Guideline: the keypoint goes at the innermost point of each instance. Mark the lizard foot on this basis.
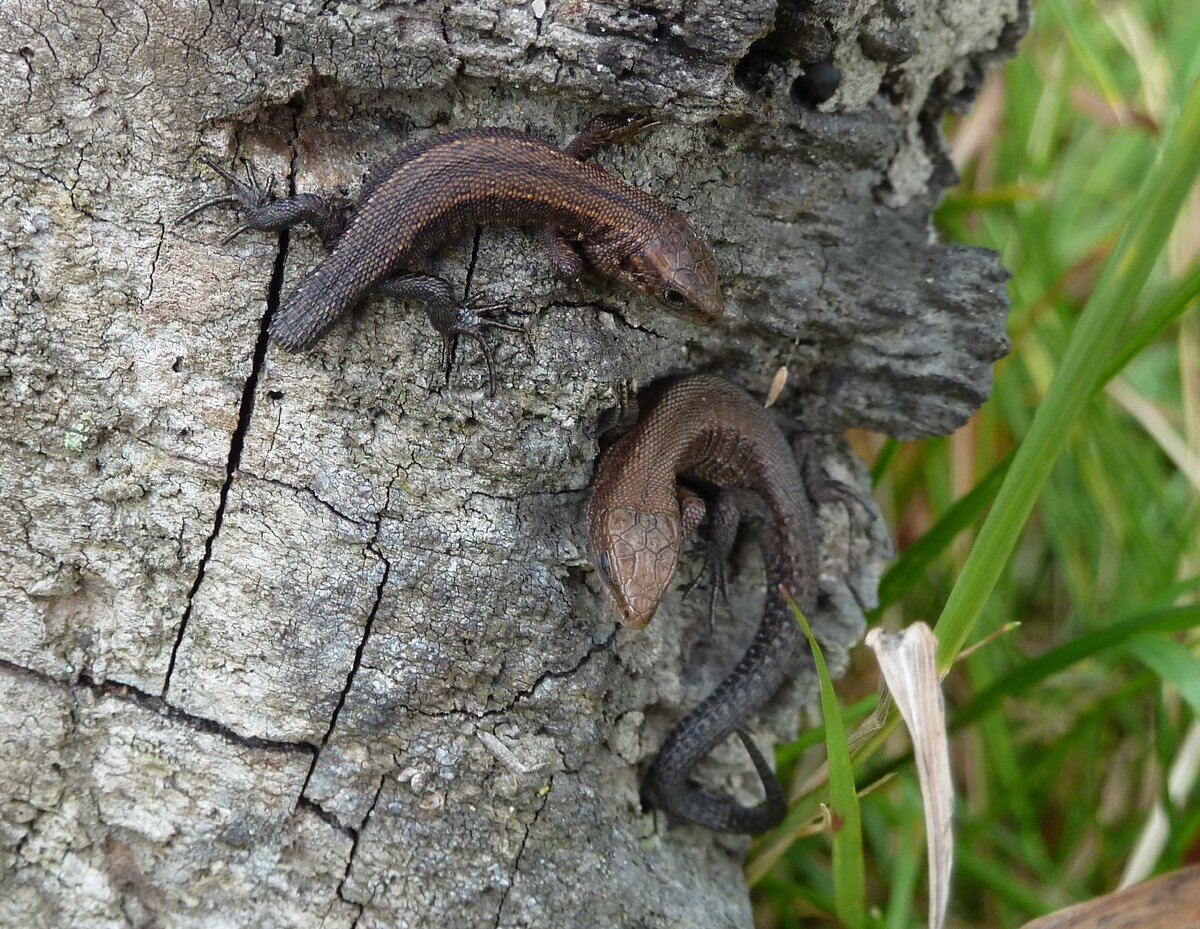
(712, 569)
(250, 194)
(607, 129)
(724, 517)
(473, 319)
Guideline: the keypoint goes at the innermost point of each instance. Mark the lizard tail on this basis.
(685, 802)
(316, 303)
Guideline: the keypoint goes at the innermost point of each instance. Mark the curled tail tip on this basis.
(771, 813)
(682, 802)
(719, 814)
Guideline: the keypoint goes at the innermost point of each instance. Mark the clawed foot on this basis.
(473, 319)
(618, 420)
(638, 124)
(612, 127)
(713, 568)
(606, 129)
(450, 317)
(249, 194)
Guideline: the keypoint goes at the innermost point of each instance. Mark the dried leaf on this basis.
(1167, 902)
(909, 665)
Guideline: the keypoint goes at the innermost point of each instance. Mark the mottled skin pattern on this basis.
(705, 429)
(417, 200)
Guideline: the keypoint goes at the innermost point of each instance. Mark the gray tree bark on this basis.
(312, 641)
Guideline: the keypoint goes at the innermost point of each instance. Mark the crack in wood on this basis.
(357, 663)
(245, 411)
(159, 705)
(516, 868)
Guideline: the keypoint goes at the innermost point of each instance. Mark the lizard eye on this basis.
(602, 564)
(673, 298)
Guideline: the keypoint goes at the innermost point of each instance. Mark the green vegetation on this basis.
(1070, 504)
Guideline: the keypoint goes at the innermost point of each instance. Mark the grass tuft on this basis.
(1070, 502)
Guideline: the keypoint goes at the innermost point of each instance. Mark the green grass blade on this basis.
(883, 459)
(1184, 832)
(849, 874)
(915, 560)
(798, 892)
(1023, 678)
(1106, 313)
(905, 876)
(1084, 50)
(1003, 882)
(851, 716)
(1173, 663)
(1181, 297)
(1169, 595)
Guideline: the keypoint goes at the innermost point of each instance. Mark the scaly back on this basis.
(435, 191)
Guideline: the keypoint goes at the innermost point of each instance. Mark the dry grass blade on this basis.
(1180, 781)
(777, 383)
(1156, 424)
(909, 665)
(976, 134)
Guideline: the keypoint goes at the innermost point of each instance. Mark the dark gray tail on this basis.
(684, 802)
(310, 309)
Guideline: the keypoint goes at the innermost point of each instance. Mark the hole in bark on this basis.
(754, 72)
(892, 87)
(817, 84)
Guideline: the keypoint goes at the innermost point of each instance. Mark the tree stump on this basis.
(295, 641)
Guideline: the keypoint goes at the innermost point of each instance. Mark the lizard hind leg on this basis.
(604, 130)
(261, 211)
(450, 317)
(250, 194)
(561, 249)
(564, 257)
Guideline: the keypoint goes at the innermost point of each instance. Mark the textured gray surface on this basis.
(291, 641)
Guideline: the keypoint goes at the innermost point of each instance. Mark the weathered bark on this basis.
(299, 641)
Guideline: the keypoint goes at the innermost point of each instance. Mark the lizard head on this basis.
(635, 554)
(678, 269)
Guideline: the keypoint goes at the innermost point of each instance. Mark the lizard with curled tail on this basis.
(704, 429)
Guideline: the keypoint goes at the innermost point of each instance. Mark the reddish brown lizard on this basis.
(702, 428)
(417, 200)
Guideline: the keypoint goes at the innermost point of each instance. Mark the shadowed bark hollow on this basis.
(311, 640)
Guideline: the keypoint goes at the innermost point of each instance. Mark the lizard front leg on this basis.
(601, 131)
(724, 517)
